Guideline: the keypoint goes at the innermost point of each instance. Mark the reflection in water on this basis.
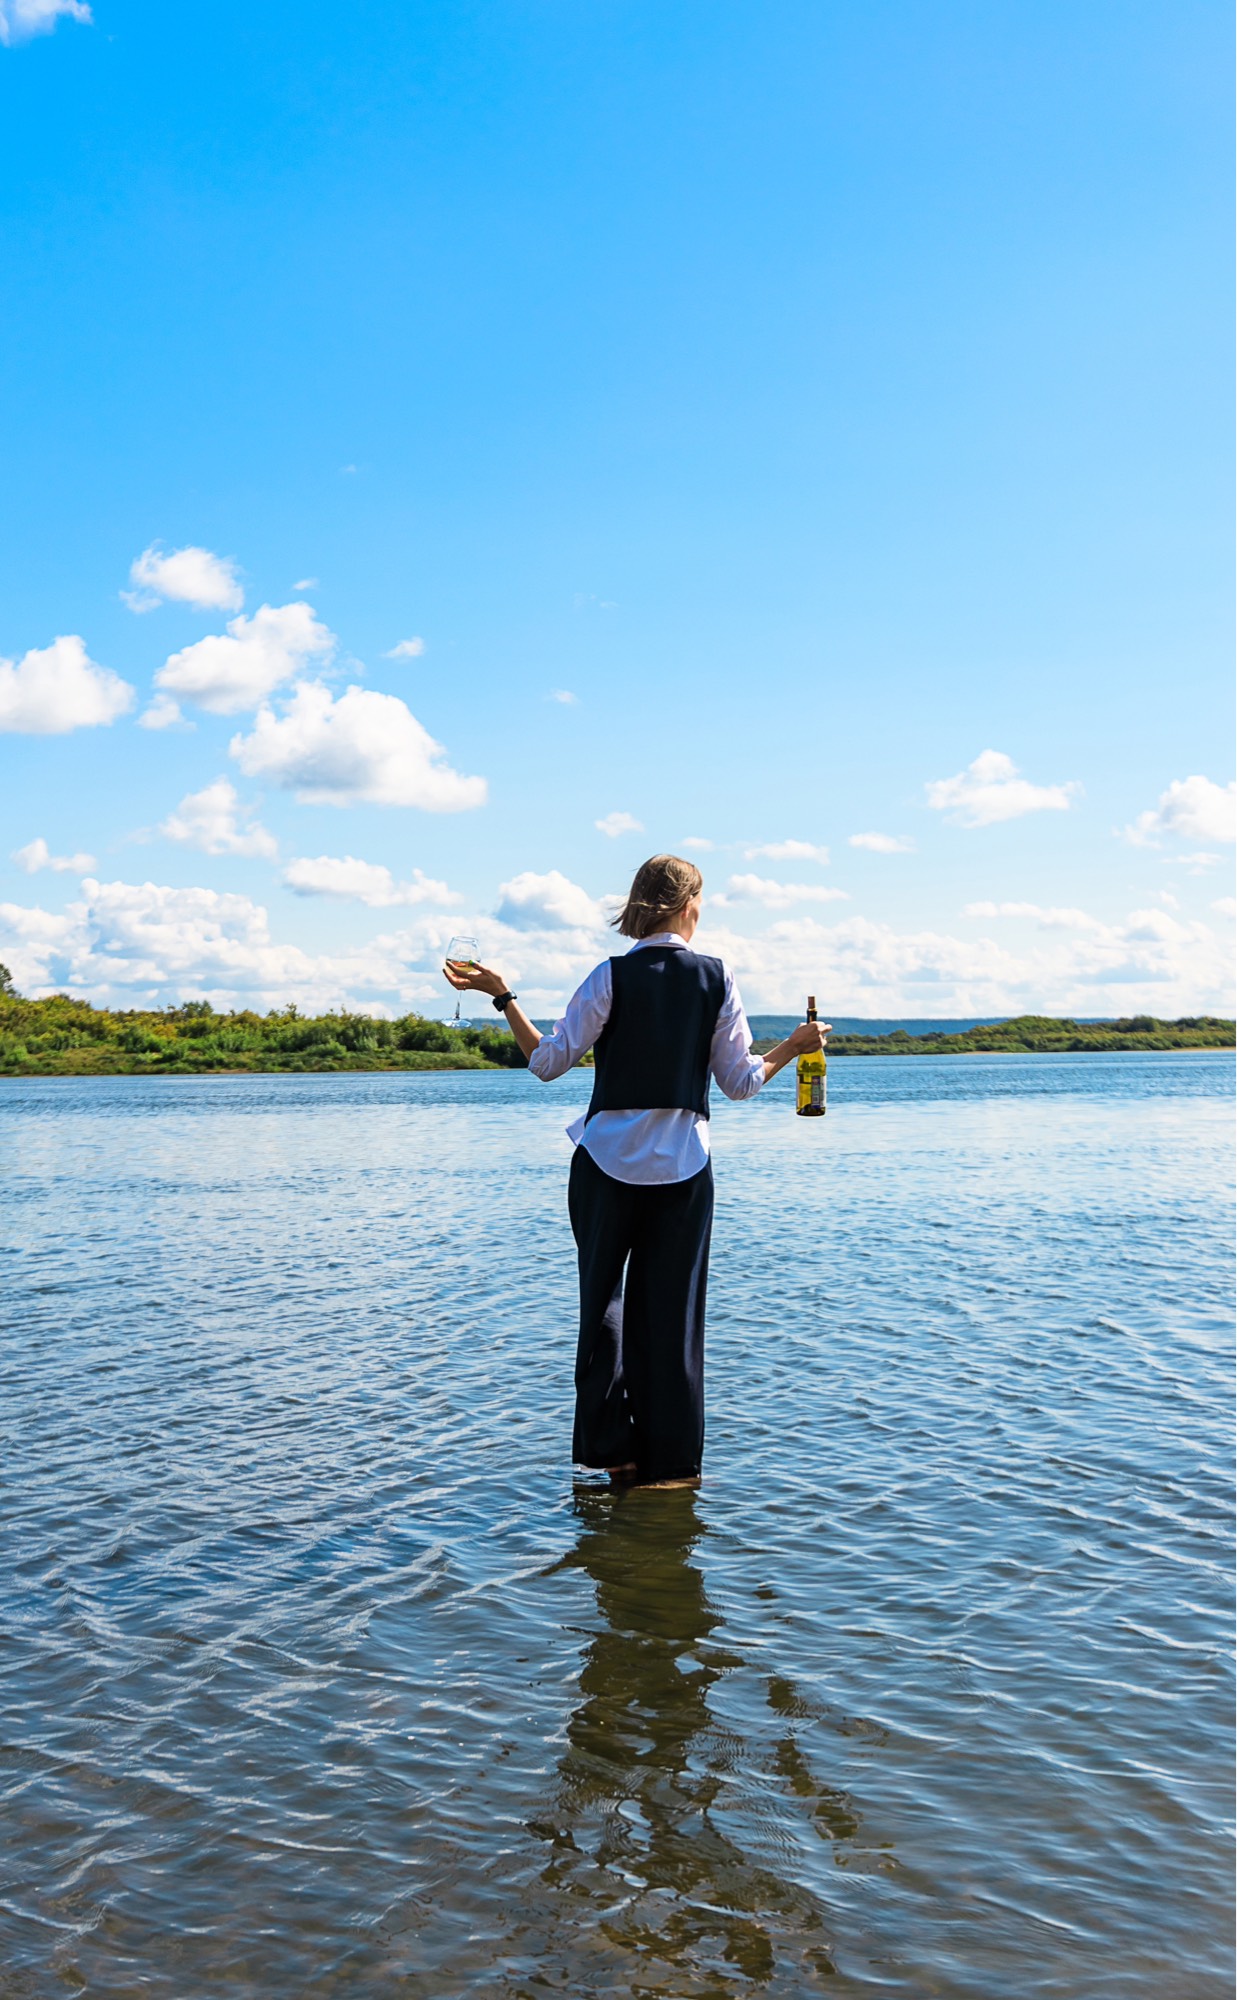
(650, 1776)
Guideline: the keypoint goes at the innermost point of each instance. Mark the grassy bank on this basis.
(65, 1037)
(61, 1036)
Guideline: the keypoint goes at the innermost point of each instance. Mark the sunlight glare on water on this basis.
(321, 1676)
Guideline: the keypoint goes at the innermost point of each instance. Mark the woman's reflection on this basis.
(649, 1771)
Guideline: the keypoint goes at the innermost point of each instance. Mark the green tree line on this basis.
(61, 1036)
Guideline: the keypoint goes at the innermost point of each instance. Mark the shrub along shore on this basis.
(61, 1036)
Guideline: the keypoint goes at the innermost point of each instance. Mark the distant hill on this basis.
(1037, 1034)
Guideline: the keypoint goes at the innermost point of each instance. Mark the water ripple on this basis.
(321, 1677)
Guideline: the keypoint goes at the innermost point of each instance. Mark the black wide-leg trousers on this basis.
(640, 1360)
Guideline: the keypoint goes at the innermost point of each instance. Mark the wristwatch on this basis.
(503, 1000)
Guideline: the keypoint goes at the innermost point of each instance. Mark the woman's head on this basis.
(661, 889)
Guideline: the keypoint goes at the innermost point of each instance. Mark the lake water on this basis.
(322, 1677)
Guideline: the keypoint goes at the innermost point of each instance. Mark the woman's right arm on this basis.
(551, 1055)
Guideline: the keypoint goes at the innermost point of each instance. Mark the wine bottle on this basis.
(811, 1079)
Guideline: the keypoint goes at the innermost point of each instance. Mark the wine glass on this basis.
(462, 954)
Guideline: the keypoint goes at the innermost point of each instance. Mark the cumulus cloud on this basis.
(22, 19)
(1049, 919)
(618, 822)
(1150, 963)
(188, 576)
(696, 844)
(148, 941)
(990, 790)
(215, 820)
(364, 748)
(306, 583)
(36, 854)
(788, 850)
(53, 689)
(776, 895)
(231, 671)
(1226, 906)
(881, 843)
(130, 944)
(547, 902)
(163, 713)
(1191, 809)
(363, 882)
(407, 649)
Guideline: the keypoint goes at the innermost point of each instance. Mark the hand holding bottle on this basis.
(811, 1087)
(809, 1038)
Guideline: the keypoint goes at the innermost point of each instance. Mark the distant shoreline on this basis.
(62, 1036)
(345, 1068)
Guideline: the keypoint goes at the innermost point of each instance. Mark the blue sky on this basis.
(831, 400)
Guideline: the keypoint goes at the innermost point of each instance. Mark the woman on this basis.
(661, 1021)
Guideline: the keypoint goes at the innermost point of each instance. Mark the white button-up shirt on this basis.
(647, 1148)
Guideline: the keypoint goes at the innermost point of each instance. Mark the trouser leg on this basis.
(602, 1218)
(663, 1325)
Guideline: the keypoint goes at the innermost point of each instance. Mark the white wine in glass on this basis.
(462, 955)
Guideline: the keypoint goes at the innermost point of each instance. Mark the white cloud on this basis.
(227, 673)
(363, 882)
(696, 844)
(563, 696)
(127, 944)
(788, 850)
(990, 790)
(881, 843)
(407, 649)
(536, 902)
(1191, 808)
(1150, 963)
(189, 576)
(1048, 919)
(618, 822)
(1198, 864)
(36, 855)
(215, 820)
(21, 19)
(365, 748)
(55, 688)
(163, 713)
(306, 583)
(147, 941)
(1226, 905)
(776, 895)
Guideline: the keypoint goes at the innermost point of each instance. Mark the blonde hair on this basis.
(658, 892)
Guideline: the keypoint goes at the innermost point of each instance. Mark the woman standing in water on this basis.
(661, 1021)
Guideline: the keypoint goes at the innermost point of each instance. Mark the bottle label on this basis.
(812, 1093)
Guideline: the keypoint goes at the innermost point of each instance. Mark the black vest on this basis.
(653, 1053)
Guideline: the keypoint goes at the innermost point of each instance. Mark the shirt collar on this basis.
(661, 937)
